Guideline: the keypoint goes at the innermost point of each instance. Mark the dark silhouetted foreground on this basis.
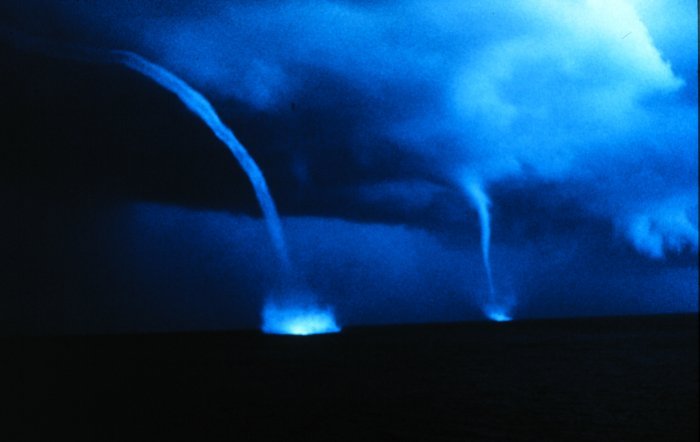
(633, 378)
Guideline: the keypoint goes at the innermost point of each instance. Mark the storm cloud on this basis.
(564, 112)
(576, 93)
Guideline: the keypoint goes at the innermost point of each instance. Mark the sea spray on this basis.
(296, 313)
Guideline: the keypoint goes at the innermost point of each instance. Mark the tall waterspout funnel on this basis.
(495, 309)
(285, 314)
(482, 203)
(201, 107)
(282, 313)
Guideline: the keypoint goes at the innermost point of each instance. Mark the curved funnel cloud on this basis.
(289, 317)
(493, 309)
(204, 110)
(194, 101)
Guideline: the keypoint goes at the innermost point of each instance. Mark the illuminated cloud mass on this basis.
(573, 92)
(577, 119)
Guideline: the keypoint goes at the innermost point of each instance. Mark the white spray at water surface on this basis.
(294, 315)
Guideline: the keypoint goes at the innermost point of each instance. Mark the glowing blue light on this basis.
(497, 313)
(298, 320)
(201, 107)
(499, 317)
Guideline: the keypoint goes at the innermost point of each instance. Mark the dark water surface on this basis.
(631, 378)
